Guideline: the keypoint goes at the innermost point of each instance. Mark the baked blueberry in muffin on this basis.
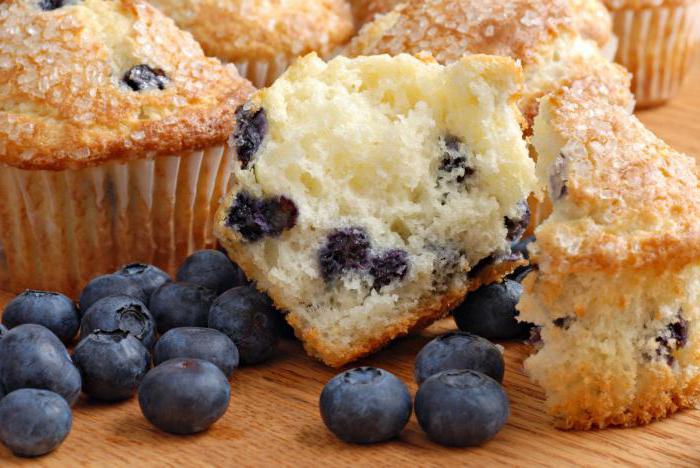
(616, 290)
(378, 183)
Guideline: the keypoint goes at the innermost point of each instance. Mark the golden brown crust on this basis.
(364, 11)
(247, 29)
(592, 20)
(635, 201)
(63, 104)
(513, 28)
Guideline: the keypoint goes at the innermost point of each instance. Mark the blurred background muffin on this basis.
(113, 140)
(262, 37)
(658, 43)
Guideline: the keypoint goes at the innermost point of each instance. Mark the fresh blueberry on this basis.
(249, 318)
(143, 77)
(184, 396)
(148, 277)
(517, 226)
(255, 218)
(459, 350)
(52, 310)
(251, 127)
(198, 343)
(211, 269)
(388, 267)
(32, 357)
(365, 405)
(461, 408)
(109, 285)
(34, 422)
(3, 330)
(346, 249)
(176, 305)
(120, 313)
(112, 364)
(490, 311)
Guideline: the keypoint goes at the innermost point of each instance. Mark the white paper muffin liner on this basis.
(263, 73)
(59, 229)
(658, 45)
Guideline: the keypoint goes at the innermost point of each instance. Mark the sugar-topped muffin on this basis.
(554, 40)
(371, 194)
(263, 37)
(616, 291)
(113, 140)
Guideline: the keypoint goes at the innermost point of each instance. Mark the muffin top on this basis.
(366, 10)
(623, 198)
(236, 30)
(513, 28)
(85, 82)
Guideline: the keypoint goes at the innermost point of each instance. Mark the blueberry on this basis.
(176, 305)
(211, 269)
(365, 405)
(148, 277)
(255, 218)
(454, 161)
(48, 5)
(143, 77)
(109, 285)
(490, 311)
(517, 226)
(461, 408)
(112, 364)
(251, 127)
(184, 396)
(52, 310)
(521, 246)
(388, 267)
(459, 350)
(346, 249)
(120, 313)
(249, 318)
(32, 357)
(34, 422)
(3, 330)
(198, 343)
(675, 336)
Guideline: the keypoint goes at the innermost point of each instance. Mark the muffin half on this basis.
(263, 37)
(371, 194)
(113, 140)
(554, 40)
(616, 291)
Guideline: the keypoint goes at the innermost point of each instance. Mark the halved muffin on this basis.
(371, 194)
(113, 140)
(616, 291)
(554, 40)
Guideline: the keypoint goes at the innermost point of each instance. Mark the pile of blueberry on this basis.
(194, 330)
(460, 400)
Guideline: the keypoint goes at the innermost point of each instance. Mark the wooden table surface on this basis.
(274, 420)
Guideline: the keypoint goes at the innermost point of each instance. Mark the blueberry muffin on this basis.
(659, 42)
(554, 40)
(263, 37)
(371, 194)
(113, 140)
(616, 291)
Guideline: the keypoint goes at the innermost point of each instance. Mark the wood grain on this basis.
(273, 418)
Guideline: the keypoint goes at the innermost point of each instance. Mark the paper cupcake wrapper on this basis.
(59, 229)
(658, 46)
(263, 73)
